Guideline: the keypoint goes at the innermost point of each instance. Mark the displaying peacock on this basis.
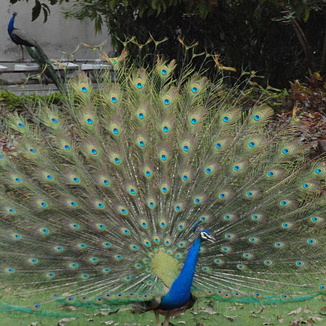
(155, 190)
(21, 38)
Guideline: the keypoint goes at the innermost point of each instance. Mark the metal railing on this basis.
(30, 81)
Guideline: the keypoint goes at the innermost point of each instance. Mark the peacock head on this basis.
(14, 13)
(206, 235)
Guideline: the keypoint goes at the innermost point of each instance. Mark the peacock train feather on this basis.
(155, 192)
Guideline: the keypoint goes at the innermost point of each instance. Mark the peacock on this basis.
(22, 38)
(151, 189)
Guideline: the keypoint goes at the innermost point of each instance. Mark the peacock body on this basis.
(18, 36)
(111, 198)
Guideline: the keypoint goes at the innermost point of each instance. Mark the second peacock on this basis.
(155, 191)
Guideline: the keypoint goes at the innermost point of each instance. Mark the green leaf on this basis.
(306, 14)
(98, 23)
(46, 11)
(36, 10)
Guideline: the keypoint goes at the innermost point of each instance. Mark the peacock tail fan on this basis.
(100, 196)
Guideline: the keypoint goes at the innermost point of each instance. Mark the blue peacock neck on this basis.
(11, 24)
(179, 293)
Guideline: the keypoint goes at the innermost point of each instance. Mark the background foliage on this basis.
(282, 40)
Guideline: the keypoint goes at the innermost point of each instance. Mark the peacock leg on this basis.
(22, 49)
(157, 317)
(166, 319)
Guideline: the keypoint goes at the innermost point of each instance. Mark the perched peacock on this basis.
(155, 190)
(21, 38)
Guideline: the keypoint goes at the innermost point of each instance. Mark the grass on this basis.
(204, 313)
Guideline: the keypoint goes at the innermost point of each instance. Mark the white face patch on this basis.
(204, 235)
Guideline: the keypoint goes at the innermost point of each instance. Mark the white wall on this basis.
(56, 35)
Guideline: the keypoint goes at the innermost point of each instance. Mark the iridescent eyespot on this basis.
(151, 204)
(164, 189)
(33, 260)
(257, 117)
(126, 231)
(148, 173)
(186, 148)
(316, 219)
(311, 241)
